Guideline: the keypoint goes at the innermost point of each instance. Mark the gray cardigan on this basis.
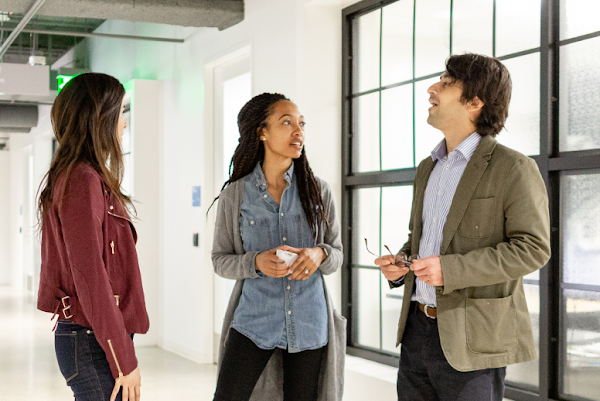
(230, 261)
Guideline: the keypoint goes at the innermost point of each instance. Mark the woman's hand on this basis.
(131, 386)
(270, 264)
(309, 260)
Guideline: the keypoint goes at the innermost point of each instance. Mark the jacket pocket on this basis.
(478, 221)
(491, 324)
(65, 345)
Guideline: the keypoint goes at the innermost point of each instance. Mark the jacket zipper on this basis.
(121, 217)
(115, 356)
(112, 246)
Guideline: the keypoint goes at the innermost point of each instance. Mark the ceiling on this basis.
(55, 27)
(84, 16)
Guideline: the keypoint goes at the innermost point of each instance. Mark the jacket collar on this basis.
(466, 187)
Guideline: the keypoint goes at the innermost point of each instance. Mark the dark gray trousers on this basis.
(426, 375)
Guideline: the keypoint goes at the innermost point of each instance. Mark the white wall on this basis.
(4, 218)
(296, 50)
(39, 141)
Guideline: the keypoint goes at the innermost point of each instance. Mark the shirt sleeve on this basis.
(82, 215)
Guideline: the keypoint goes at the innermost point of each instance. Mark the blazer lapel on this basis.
(420, 186)
(466, 187)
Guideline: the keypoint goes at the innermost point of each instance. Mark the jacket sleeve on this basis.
(527, 229)
(226, 262)
(81, 215)
(332, 241)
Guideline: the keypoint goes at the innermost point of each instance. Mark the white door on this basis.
(232, 89)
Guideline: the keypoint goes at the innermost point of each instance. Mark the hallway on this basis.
(28, 368)
(29, 372)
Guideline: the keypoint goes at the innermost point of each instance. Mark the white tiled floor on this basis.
(28, 369)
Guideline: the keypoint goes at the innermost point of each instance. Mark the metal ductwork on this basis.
(199, 13)
(18, 118)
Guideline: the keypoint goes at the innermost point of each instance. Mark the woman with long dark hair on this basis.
(90, 275)
(281, 338)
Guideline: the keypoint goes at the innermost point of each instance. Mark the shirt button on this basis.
(111, 208)
(252, 222)
(289, 287)
(265, 195)
(281, 214)
(289, 312)
(434, 219)
(447, 167)
(439, 192)
(285, 239)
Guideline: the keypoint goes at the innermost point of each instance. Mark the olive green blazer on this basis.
(497, 231)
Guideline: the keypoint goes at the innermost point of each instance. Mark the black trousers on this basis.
(244, 362)
(426, 375)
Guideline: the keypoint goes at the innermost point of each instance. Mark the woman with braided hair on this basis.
(281, 338)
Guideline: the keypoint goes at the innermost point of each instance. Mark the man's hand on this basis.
(389, 269)
(309, 260)
(131, 386)
(429, 270)
(270, 264)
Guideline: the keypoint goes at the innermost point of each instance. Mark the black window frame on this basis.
(550, 161)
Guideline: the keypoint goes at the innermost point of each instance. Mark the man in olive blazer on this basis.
(496, 230)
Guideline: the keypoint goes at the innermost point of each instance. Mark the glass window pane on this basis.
(366, 225)
(517, 26)
(578, 17)
(396, 204)
(522, 128)
(432, 36)
(579, 94)
(397, 128)
(391, 305)
(366, 60)
(528, 372)
(397, 43)
(581, 344)
(366, 133)
(367, 294)
(580, 227)
(426, 137)
(470, 16)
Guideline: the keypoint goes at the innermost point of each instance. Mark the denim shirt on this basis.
(277, 312)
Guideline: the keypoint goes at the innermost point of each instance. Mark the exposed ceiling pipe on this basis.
(11, 38)
(96, 35)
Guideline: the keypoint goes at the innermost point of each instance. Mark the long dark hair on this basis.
(250, 150)
(84, 119)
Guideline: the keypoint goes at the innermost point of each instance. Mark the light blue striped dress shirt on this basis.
(439, 193)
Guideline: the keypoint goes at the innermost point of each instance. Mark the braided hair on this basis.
(250, 150)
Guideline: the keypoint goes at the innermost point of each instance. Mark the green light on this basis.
(63, 79)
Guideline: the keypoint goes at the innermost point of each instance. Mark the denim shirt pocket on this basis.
(256, 234)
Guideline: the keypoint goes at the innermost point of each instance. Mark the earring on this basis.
(263, 139)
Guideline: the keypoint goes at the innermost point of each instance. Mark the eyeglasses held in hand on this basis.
(400, 257)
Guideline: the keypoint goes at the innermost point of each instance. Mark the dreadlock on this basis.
(250, 150)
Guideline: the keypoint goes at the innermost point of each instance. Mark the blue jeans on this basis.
(83, 362)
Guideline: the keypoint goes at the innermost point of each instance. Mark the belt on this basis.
(430, 311)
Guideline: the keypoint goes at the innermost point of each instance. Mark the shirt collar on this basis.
(258, 176)
(466, 148)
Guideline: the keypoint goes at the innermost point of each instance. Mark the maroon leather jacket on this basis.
(90, 273)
